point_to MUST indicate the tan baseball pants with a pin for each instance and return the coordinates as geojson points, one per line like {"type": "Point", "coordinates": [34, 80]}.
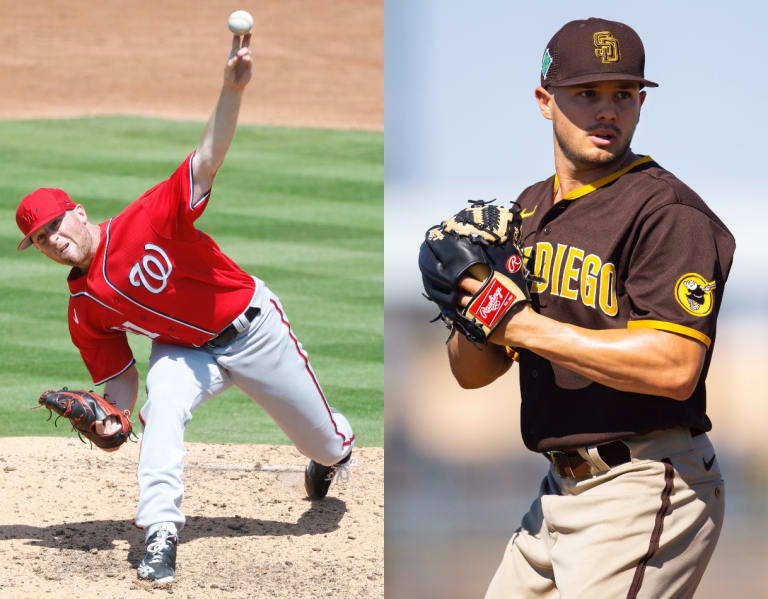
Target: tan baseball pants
{"type": "Point", "coordinates": [644, 529]}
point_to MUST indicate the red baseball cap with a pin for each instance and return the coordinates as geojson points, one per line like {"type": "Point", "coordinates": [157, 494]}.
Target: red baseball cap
{"type": "Point", "coordinates": [38, 209]}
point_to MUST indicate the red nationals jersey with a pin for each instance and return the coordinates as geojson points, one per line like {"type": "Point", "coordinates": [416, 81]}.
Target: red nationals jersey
{"type": "Point", "coordinates": [154, 274]}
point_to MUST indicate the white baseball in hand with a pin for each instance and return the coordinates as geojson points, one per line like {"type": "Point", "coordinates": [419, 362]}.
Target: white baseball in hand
{"type": "Point", "coordinates": [240, 22]}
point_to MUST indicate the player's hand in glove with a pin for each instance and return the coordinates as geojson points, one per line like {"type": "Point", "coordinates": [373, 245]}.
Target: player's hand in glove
{"type": "Point", "coordinates": [481, 241]}
{"type": "Point", "coordinates": [91, 415]}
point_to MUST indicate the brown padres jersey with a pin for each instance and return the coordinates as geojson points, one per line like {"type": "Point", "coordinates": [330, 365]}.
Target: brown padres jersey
{"type": "Point", "coordinates": [637, 248]}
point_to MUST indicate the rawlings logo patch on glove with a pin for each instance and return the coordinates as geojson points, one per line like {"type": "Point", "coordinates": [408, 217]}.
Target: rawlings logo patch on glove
{"type": "Point", "coordinates": [493, 302]}
{"type": "Point", "coordinates": [481, 241]}
{"type": "Point", "coordinates": [85, 409]}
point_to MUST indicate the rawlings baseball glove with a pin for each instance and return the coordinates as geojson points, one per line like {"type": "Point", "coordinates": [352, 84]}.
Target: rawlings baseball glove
{"type": "Point", "coordinates": [84, 409]}
{"type": "Point", "coordinates": [481, 241]}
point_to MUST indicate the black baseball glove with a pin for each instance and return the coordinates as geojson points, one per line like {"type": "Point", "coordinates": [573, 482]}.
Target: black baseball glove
{"type": "Point", "coordinates": [481, 241]}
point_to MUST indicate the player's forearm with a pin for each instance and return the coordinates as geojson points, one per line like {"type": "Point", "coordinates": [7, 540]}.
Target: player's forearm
{"type": "Point", "coordinates": [123, 389]}
{"type": "Point", "coordinates": [639, 360]}
{"type": "Point", "coordinates": [475, 367]}
{"type": "Point", "coordinates": [218, 133]}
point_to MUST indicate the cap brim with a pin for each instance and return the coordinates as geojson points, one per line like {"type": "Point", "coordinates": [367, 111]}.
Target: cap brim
{"type": "Point", "coordinates": [602, 77]}
{"type": "Point", "coordinates": [27, 241]}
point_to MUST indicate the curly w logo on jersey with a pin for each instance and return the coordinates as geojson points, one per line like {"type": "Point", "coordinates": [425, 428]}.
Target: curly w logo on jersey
{"type": "Point", "coordinates": [151, 267]}
{"type": "Point", "coordinates": [694, 293]}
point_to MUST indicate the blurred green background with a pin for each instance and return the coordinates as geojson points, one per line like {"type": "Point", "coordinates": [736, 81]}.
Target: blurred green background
{"type": "Point", "coordinates": [300, 208]}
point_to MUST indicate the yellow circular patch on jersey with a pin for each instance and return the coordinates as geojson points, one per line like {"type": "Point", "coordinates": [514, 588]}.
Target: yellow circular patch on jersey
{"type": "Point", "coordinates": [694, 294]}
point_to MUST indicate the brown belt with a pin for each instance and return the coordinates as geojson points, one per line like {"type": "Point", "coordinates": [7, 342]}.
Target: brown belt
{"type": "Point", "coordinates": [570, 464]}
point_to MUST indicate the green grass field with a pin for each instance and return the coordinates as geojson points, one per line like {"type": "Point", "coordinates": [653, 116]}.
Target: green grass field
{"type": "Point", "coordinates": [300, 208]}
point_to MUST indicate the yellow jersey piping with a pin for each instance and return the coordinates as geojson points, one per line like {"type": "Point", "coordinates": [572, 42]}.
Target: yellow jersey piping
{"type": "Point", "coordinates": [672, 327]}
{"type": "Point", "coordinates": [590, 187]}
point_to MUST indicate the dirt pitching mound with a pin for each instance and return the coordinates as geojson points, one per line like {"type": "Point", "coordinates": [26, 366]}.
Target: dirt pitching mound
{"type": "Point", "coordinates": [67, 530]}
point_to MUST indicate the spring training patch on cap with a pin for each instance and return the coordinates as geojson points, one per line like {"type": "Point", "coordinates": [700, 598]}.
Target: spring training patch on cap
{"type": "Point", "coordinates": [546, 61]}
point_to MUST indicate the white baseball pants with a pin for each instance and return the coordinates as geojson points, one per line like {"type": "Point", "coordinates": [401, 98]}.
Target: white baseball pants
{"type": "Point", "coordinates": [266, 362]}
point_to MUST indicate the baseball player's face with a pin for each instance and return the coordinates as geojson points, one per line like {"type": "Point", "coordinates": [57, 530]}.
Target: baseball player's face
{"type": "Point", "coordinates": [65, 239]}
{"type": "Point", "coordinates": [593, 123]}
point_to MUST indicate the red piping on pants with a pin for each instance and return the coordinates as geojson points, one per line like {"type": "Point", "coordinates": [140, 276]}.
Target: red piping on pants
{"type": "Point", "coordinates": [346, 442]}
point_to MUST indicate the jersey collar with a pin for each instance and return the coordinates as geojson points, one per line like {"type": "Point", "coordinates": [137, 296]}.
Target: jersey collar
{"type": "Point", "coordinates": [590, 187]}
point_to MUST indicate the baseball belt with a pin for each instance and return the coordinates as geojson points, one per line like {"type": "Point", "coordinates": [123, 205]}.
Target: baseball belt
{"type": "Point", "coordinates": [569, 464]}
{"type": "Point", "coordinates": [228, 334]}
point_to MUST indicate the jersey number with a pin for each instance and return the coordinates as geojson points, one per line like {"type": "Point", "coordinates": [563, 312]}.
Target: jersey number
{"type": "Point", "coordinates": [134, 328]}
{"type": "Point", "coordinates": [151, 267]}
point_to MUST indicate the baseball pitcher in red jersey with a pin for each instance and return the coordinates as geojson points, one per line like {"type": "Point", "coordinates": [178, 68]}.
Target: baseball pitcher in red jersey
{"type": "Point", "coordinates": [149, 271]}
{"type": "Point", "coordinates": [613, 347]}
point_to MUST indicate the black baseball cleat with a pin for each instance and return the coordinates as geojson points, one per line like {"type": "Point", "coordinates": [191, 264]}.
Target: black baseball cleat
{"type": "Point", "coordinates": [318, 478]}
{"type": "Point", "coordinates": [159, 565]}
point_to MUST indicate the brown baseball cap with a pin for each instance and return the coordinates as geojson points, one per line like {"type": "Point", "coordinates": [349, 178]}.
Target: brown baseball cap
{"type": "Point", "coordinates": [594, 50]}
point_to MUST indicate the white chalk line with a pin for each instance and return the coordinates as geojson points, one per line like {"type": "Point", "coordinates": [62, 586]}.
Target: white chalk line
{"type": "Point", "coordinates": [251, 467]}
